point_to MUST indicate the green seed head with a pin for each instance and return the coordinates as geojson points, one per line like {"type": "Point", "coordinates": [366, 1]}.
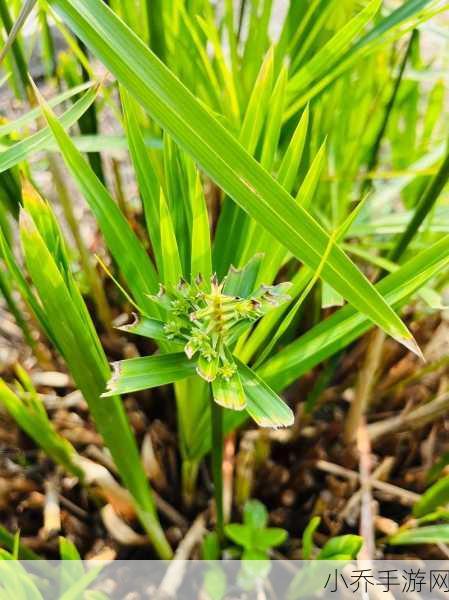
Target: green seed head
{"type": "Point", "coordinates": [203, 318]}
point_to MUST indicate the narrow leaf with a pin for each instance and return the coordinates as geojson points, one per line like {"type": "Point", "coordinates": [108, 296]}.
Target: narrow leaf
{"type": "Point", "coordinates": [135, 266]}
{"type": "Point", "coordinates": [32, 144]}
{"type": "Point", "coordinates": [263, 404]}
{"type": "Point", "coordinates": [146, 372]}
{"type": "Point", "coordinates": [432, 534]}
{"type": "Point", "coordinates": [435, 497]}
{"type": "Point", "coordinates": [172, 270]}
{"type": "Point", "coordinates": [201, 249]}
{"type": "Point", "coordinates": [146, 327]}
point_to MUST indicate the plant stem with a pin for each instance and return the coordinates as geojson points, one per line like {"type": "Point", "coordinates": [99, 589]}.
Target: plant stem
{"type": "Point", "coordinates": [217, 465]}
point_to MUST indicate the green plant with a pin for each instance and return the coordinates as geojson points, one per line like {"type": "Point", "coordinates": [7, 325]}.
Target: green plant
{"type": "Point", "coordinates": [204, 319]}
{"type": "Point", "coordinates": [254, 167]}
{"type": "Point", "coordinates": [253, 536]}
{"type": "Point", "coordinates": [255, 541]}
{"type": "Point", "coordinates": [430, 508]}
{"type": "Point", "coordinates": [71, 580]}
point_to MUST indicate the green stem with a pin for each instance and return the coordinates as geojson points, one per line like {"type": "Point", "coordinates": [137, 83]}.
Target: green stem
{"type": "Point", "coordinates": [155, 532]}
{"type": "Point", "coordinates": [217, 464]}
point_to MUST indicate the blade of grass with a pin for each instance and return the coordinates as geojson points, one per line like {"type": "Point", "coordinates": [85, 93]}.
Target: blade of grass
{"type": "Point", "coordinates": [201, 260]}
{"type": "Point", "coordinates": [135, 265]}
{"type": "Point", "coordinates": [33, 114]}
{"type": "Point", "coordinates": [37, 141]}
{"type": "Point", "coordinates": [339, 330]}
{"type": "Point", "coordinates": [144, 372]}
{"type": "Point", "coordinates": [27, 409]}
{"type": "Point", "coordinates": [171, 262]}
{"type": "Point", "coordinates": [425, 205]}
{"type": "Point", "coordinates": [146, 175]}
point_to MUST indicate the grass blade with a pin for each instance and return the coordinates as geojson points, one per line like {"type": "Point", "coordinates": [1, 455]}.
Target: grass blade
{"type": "Point", "coordinates": [171, 262]}
{"type": "Point", "coordinates": [21, 150]}
{"type": "Point", "coordinates": [34, 114]}
{"type": "Point", "coordinates": [144, 372]}
{"type": "Point", "coordinates": [135, 265]}
{"type": "Point", "coordinates": [28, 410]}
{"type": "Point", "coordinates": [344, 326]}
{"type": "Point", "coordinates": [431, 534]}
{"type": "Point", "coordinates": [201, 259]}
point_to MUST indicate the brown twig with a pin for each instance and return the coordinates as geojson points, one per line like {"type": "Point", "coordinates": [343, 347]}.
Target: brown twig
{"type": "Point", "coordinates": [365, 383]}
{"type": "Point", "coordinates": [413, 420]}
{"type": "Point", "coordinates": [177, 567]}
{"type": "Point", "coordinates": [366, 499]}
{"type": "Point", "coordinates": [350, 513]}
{"type": "Point", "coordinates": [405, 497]}
{"type": "Point", "coordinates": [228, 475]}
{"type": "Point", "coordinates": [52, 511]}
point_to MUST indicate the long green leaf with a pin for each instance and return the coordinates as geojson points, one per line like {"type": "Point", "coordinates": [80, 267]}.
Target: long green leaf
{"type": "Point", "coordinates": [435, 497]}
{"type": "Point", "coordinates": [219, 153]}
{"type": "Point", "coordinates": [33, 114]}
{"type": "Point", "coordinates": [201, 260]}
{"type": "Point", "coordinates": [21, 150]}
{"type": "Point", "coordinates": [135, 265]}
{"type": "Point", "coordinates": [149, 186]}
{"type": "Point", "coordinates": [144, 372]}
{"type": "Point", "coordinates": [28, 411]}
{"type": "Point", "coordinates": [171, 261]}
{"type": "Point", "coordinates": [432, 534]}
{"type": "Point", "coordinates": [339, 330]}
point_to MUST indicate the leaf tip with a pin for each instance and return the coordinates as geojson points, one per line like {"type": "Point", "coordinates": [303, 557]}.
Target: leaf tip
{"type": "Point", "coordinates": [412, 345]}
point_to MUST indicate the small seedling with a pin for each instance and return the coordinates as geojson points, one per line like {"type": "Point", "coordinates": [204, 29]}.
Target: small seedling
{"type": "Point", "coordinates": [255, 541]}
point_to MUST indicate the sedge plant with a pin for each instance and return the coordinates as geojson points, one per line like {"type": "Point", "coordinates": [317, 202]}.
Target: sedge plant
{"type": "Point", "coordinates": [262, 198]}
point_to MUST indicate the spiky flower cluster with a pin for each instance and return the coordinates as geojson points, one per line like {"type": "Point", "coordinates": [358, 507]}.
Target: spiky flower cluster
{"type": "Point", "coordinates": [207, 319]}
